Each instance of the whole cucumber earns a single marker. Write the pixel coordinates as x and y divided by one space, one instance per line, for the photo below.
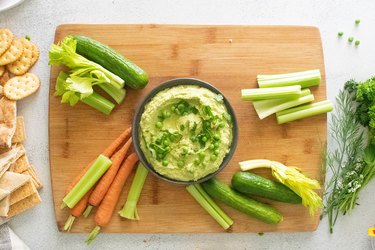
224 193
113 61
252 184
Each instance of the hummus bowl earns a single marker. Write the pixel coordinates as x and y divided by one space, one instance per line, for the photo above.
185 131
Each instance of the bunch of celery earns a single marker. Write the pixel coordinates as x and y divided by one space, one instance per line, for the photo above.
281 94
84 75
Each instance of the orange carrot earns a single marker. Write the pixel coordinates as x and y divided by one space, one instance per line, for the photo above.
77 211
102 187
107 152
107 206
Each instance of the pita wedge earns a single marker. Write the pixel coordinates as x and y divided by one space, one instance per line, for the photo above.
24 204
21 165
9 157
8 114
3 194
4 206
11 181
22 192
20 133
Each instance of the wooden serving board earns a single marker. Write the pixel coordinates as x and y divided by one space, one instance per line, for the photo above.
229 57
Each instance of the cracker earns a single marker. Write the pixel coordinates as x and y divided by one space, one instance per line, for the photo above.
13 53
6 38
2 70
23 64
20 87
20 133
22 192
24 204
35 54
4 78
21 165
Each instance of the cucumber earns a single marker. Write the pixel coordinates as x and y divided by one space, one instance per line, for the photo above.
113 61
225 194
252 184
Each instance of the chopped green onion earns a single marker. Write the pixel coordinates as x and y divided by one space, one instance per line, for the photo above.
158 124
357 42
129 210
27 37
350 39
209 205
97 169
270 93
357 21
304 78
265 108
304 111
340 34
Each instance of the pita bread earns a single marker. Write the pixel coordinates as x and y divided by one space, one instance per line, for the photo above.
4 206
24 204
3 194
11 181
20 133
22 192
9 157
21 165
8 113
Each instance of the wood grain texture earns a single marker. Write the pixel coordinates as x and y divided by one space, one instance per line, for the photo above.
229 57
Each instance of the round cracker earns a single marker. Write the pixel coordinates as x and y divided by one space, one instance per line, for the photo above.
35 55
13 52
6 38
20 87
23 64
2 70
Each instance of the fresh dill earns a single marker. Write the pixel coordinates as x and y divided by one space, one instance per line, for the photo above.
350 162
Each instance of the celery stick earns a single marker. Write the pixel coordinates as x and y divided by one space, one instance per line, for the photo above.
270 93
99 103
304 79
288 75
117 94
266 108
97 169
295 109
209 205
303 112
129 211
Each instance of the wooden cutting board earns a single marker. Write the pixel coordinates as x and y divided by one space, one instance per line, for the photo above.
229 57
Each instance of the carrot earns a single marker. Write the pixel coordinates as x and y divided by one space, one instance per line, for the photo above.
77 211
107 152
102 187
107 206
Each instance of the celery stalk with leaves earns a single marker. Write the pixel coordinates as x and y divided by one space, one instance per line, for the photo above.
292 178
74 89
84 74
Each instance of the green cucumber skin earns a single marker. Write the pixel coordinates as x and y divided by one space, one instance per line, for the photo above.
113 61
225 194
252 184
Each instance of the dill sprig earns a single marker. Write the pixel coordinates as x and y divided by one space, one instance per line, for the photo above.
345 161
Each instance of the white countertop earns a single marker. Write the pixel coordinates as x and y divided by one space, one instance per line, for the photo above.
39 18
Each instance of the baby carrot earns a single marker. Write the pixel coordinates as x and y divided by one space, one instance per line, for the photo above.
107 152
77 211
102 187
107 206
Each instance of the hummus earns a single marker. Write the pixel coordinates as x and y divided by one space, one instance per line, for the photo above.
185 132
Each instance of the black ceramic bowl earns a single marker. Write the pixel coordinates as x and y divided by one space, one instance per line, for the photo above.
169 84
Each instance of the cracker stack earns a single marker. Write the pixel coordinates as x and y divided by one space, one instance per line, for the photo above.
19 183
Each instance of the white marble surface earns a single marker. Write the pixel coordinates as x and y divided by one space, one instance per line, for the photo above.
38 18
